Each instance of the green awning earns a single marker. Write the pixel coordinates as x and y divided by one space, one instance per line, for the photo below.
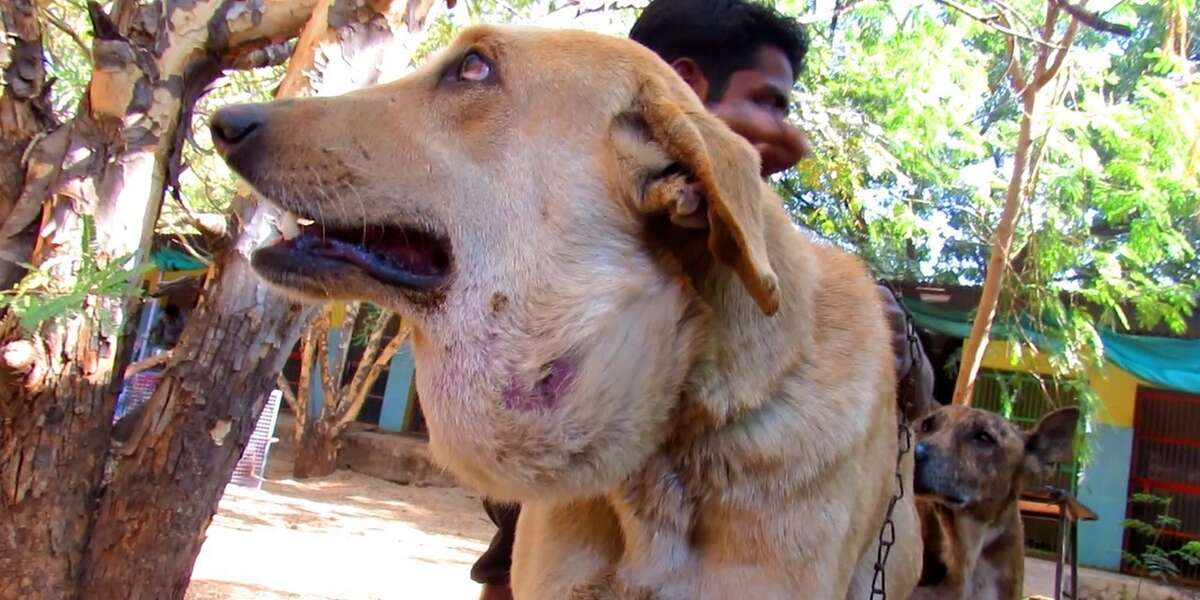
1165 362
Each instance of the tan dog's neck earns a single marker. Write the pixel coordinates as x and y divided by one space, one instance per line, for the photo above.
739 426
983 559
749 352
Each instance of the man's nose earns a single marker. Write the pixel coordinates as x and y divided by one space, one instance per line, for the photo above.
237 128
799 142
783 148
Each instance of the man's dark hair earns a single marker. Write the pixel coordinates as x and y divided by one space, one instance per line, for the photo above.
722 36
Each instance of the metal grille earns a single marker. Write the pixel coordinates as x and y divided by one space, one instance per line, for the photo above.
1166 463
1023 398
251 467
135 391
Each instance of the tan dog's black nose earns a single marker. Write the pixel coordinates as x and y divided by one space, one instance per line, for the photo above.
235 128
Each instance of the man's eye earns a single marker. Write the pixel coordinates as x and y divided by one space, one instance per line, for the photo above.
774 103
473 68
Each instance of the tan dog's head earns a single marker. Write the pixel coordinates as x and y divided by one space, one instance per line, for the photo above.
975 461
542 206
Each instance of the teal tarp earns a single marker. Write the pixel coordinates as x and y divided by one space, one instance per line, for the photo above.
170 259
1164 362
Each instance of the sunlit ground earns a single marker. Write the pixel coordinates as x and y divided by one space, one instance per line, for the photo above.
346 536
353 537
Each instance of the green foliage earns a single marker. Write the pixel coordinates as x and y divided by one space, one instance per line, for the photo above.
915 124
370 318
66 31
1154 560
41 297
206 184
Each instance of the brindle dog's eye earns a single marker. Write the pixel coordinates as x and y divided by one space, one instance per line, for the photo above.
474 68
984 438
927 425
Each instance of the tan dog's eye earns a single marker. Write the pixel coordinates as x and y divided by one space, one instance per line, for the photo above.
473 68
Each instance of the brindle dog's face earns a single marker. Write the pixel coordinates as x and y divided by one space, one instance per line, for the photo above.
500 198
974 460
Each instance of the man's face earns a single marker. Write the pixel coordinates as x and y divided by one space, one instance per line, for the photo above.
755 105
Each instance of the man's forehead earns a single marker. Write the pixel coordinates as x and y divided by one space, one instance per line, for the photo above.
773 64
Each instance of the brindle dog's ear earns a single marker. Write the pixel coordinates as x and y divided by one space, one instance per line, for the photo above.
1051 441
717 186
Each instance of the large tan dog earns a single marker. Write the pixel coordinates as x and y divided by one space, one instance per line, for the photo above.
614 321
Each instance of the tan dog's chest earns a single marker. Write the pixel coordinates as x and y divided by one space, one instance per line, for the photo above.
783 500
806 540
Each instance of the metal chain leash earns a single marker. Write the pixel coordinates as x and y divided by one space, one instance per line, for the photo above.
887 532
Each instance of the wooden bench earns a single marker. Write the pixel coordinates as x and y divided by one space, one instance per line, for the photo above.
1061 507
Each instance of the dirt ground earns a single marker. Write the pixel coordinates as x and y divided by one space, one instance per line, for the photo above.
343 537
354 537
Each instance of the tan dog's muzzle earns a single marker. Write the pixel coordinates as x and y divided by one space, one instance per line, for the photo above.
314 255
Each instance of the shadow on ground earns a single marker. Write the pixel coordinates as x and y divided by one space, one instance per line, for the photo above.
343 537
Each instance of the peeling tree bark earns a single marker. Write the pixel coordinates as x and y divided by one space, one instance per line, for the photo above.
168 478
25 112
110 162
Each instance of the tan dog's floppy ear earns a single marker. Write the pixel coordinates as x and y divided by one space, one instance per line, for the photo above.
722 171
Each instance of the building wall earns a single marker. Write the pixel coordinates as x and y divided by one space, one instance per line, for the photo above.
1104 486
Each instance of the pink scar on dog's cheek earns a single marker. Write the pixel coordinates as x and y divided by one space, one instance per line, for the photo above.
546 393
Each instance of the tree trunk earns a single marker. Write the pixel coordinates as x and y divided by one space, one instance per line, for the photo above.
997 268
1175 37
107 167
317 454
25 112
318 437
169 478
369 367
981 328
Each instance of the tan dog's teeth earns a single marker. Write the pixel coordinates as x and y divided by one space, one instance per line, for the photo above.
305 222
289 225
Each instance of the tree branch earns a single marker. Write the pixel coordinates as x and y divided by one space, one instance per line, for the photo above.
308 351
1013 70
990 21
324 369
349 319
63 27
830 15
1043 54
289 397
1012 14
368 356
1094 20
364 385
147 363
267 56
1052 70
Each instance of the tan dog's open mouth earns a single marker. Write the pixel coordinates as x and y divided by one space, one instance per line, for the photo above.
404 257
